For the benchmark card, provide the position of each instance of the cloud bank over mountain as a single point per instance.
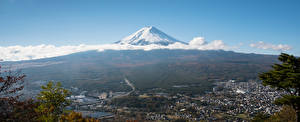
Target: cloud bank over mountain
(17, 53)
(268, 46)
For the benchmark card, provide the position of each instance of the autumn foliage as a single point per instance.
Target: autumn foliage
(76, 117)
(48, 107)
(10, 84)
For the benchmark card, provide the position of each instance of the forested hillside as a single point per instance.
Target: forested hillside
(191, 70)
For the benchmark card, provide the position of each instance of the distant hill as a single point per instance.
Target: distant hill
(167, 69)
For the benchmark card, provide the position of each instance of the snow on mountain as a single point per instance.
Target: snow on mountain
(149, 35)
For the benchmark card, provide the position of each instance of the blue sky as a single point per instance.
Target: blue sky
(238, 23)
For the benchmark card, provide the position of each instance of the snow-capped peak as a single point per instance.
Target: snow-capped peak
(148, 35)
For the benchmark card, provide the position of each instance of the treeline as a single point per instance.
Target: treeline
(49, 105)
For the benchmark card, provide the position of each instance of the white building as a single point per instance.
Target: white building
(103, 95)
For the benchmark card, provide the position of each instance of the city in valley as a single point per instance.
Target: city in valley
(228, 100)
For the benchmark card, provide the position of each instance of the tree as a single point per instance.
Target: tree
(76, 117)
(24, 111)
(286, 114)
(52, 101)
(260, 117)
(10, 85)
(285, 76)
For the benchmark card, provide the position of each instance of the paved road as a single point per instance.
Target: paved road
(129, 84)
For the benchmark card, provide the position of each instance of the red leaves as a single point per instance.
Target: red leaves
(10, 84)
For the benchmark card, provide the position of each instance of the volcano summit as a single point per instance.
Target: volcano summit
(149, 35)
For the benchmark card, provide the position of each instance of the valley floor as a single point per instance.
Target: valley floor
(229, 101)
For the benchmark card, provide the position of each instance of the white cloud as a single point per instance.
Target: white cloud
(201, 44)
(197, 41)
(17, 53)
(266, 46)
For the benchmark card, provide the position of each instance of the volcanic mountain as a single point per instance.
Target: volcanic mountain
(157, 70)
(149, 35)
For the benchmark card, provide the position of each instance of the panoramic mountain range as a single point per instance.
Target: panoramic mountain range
(157, 69)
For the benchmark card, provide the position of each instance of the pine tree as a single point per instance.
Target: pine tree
(52, 100)
(285, 76)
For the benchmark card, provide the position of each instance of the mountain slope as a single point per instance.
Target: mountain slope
(148, 70)
(149, 35)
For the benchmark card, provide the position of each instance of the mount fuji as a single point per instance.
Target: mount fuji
(160, 68)
(148, 35)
